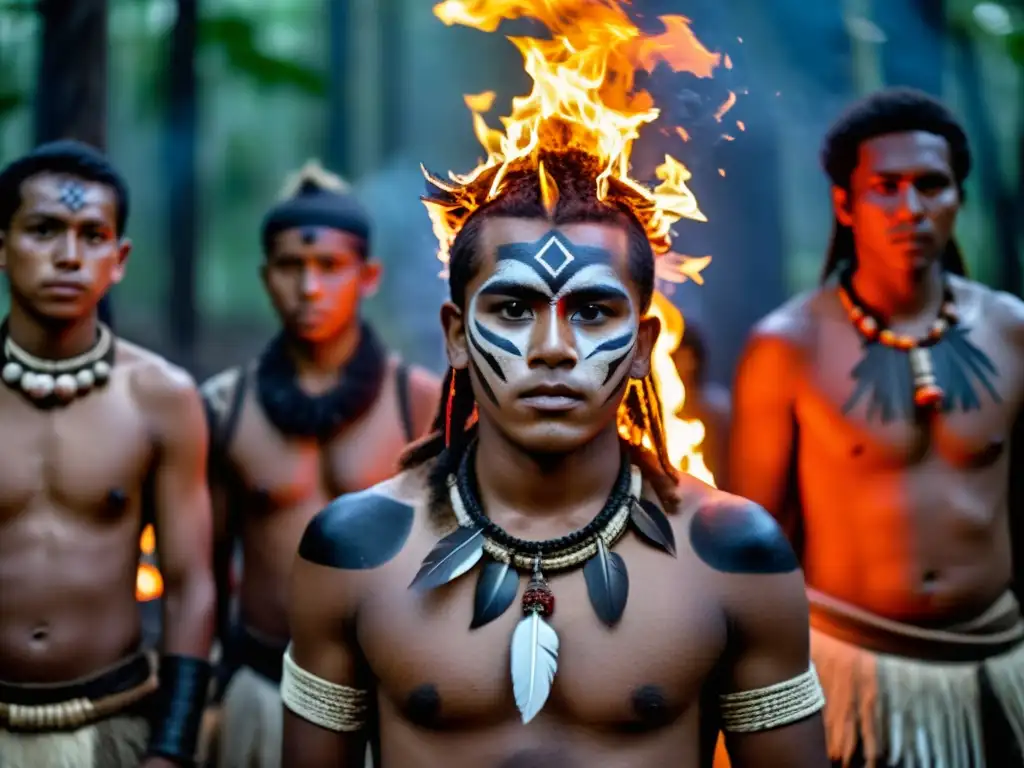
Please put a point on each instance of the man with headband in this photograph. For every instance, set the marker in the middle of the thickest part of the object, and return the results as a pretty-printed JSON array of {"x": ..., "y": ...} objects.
[
  {"x": 323, "y": 411},
  {"x": 100, "y": 436},
  {"x": 873, "y": 416}
]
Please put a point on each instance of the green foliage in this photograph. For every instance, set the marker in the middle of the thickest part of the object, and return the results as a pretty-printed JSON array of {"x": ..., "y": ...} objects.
[{"x": 234, "y": 36}]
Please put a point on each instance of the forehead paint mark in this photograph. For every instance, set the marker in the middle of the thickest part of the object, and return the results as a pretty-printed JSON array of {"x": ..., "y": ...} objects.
[
  {"x": 613, "y": 344},
  {"x": 487, "y": 356},
  {"x": 499, "y": 341},
  {"x": 308, "y": 236},
  {"x": 554, "y": 257},
  {"x": 72, "y": 196}
]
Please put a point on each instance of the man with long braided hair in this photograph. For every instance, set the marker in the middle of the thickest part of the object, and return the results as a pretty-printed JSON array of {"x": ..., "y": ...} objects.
[{"x": 540, "y": 534}]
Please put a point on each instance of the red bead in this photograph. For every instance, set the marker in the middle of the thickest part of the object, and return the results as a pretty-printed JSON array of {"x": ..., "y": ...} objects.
[
  {"x": 928, "y": 396},
  {"x": 538, "y": 600}
]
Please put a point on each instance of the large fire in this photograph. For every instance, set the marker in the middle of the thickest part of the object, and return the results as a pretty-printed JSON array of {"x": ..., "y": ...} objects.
[{"x": 584, "y": 98}]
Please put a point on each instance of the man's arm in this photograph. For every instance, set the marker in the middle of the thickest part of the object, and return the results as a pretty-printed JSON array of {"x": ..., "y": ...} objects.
[
  {"x": 320, "y": 612},
  {"x": 762, "y": 439},
  {"x": 183, "y": 537},
  {"x": 770, "y": 700}
]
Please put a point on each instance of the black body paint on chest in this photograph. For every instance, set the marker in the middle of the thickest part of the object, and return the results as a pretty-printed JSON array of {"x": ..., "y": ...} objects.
[
  {"x": 741, "y": 538},
  {"x": 357, "y": 531},
  {"x": 72, "y": 196},
  {"x": 554, "y": 257}
]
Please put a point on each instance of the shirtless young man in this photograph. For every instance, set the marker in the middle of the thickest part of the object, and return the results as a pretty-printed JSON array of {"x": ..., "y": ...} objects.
[
  {"x": 888, "y": 458},
  {"x": 99, "y": 436},
  {"x": 401, "y": 624},
  {"x": 324, "y": 411}
]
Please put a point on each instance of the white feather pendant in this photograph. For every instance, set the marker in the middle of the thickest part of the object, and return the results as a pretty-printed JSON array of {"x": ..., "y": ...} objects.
[{"x": 534, "y": 663}]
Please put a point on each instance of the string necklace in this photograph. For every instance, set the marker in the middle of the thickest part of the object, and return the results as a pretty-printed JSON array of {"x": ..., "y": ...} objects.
[
  {"x": 535, "y": 644},
  {"x": 906, "y": 377}
]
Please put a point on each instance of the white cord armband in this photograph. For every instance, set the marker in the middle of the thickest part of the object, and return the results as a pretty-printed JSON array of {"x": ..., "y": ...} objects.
[
  {"x": 321, "y": 702},
  {"x": 773, "y": 706}
]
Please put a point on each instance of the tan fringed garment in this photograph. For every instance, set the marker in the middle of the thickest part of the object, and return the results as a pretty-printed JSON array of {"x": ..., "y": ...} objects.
[{"x": 911, "y": 696}]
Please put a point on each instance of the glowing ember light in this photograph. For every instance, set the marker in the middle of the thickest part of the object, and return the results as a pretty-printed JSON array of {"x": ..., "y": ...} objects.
[
  {"x": 584, "y": 100},
  {"x": 149, "y": 584}
]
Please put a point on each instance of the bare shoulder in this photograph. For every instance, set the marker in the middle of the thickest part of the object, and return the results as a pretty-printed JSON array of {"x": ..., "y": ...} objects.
[
  {"x": 732, "y": 535},
  {"x": 998, "y": 307},
  {"x": 365, "y": 530},
  {"x": 161, "y": 387},
  {"x": 424, "y": 384},
  {"x": 784, "y": 335}
]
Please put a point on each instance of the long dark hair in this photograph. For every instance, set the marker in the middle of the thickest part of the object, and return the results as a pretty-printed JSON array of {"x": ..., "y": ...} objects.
[{"x": 454, "y": 425}]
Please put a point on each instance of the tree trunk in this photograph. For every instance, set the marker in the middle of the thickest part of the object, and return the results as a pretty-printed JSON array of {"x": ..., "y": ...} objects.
[
  {"x": 71, "y": 87},
  {"x": 180, "y": 142},
  {"x": 339, "y": 19}
]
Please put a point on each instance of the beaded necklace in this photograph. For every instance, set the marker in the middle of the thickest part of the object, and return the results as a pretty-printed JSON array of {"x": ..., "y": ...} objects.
[
  {"x": 534, "y": 649},
  {"x": 911, "y": 377}
]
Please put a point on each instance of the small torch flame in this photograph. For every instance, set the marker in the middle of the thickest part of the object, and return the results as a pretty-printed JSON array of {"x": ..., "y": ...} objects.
[
  {"x": 149, "y": 584},
  {"x": 584, "y": 99}
]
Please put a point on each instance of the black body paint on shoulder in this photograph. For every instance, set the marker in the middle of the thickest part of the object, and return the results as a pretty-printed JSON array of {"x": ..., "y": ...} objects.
[
  {"x": 423, "y": 705},
  {"x": 72, "y": 196},
  {"x": 357, "y": 531},
  {"x": 554, "y": 257},
  {"x": 741, "y": 537}
]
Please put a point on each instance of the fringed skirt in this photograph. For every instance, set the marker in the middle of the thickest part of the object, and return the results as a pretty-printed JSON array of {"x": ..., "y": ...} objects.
[
  {"x": 900, "y": 695},
  {"x": 97, "y": 722}
]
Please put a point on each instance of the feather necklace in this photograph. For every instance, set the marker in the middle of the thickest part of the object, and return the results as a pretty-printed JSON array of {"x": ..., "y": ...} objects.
[
  {"x": 535, "y": 644},
  {"x": 902, "y": 377}
]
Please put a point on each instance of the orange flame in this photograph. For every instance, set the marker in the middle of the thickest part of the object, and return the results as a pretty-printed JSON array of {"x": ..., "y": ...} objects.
[
  {"x": 149, "y": 584},
  {"x": 583, "y": 99}
]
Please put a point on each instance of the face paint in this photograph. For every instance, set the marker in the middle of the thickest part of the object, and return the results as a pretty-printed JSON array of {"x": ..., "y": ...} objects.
[
  {"x": 72, "y": 196},
  {"x": 308, "y": 236},
  {"x": 550, "y": 292}
]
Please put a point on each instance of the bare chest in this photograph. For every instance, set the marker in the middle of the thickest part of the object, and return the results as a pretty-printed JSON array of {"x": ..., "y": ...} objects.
[
  {"x": 279, "y": 471},
  {"x": 858, "y": 403},
  {"x": 644, "y": 673},
  {"x": 90, "y": 456}
]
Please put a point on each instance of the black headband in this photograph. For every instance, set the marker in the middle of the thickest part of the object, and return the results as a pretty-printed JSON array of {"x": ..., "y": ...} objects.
[{"x": 321, "y": 208}]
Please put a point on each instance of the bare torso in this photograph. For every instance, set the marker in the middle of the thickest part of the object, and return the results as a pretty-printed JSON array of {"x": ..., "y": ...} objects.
[
  {"x": 624, "y": 697},
  {"x": 72, "y": 487},
  {"x": 906, "y": 520},
  {"x": 280, "y": 483}
]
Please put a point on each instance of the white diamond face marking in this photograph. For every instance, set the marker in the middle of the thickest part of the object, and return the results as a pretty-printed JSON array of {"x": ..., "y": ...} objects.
[{"x": 559, "y": 260}]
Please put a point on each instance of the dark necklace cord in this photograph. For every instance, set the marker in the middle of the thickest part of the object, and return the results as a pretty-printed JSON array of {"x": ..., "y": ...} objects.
[
  {"x": 846, "y": 281},
  {"x": 468, "y": 489}
]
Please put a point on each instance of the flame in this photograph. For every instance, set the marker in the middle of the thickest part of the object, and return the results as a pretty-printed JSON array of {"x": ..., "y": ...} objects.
[
  {"x": 149, "y": 584},
  {"x": 584, "y": 100}
]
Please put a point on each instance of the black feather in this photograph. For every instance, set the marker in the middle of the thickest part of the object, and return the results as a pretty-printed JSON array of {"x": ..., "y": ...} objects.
[
  {"x": 496, "y": 589},
  {"x": 607, "y": 584},
  {"x": 650, "y": 522},
  {"x": 455, "y": 554}
]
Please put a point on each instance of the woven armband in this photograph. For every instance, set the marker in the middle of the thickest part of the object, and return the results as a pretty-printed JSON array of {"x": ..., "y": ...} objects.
[
  {"x": 321, "y": 702},
  {"x": 773, "y": 706}
]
